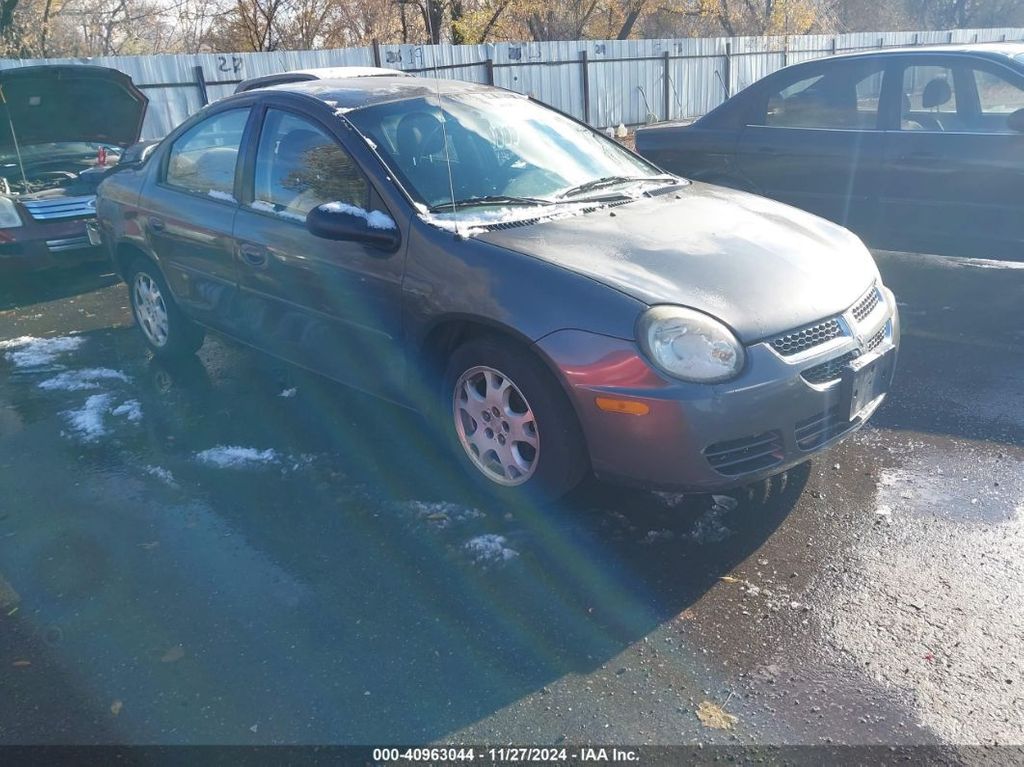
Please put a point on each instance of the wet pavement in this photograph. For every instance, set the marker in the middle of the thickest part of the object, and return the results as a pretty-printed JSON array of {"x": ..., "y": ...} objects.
[{"x": 233, "y": 551}]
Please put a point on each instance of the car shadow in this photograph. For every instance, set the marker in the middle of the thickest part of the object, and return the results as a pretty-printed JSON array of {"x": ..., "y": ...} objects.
[
  {"x": 328, "y": 540},
  {"x": 21, "y": 290},
  {"x": 423, "y": 583}
]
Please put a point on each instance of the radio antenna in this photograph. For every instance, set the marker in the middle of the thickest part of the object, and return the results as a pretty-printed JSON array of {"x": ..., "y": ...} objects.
[{"x": 444, "y": 123}]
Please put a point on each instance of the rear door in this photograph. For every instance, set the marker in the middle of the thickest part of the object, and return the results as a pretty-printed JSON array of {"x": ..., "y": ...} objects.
[
  {"x": 331, "y": 306},
  {"x": 813, "y": 139},
  {"x": 955, "y": 169},
  {"x": 187, "y": 211}
]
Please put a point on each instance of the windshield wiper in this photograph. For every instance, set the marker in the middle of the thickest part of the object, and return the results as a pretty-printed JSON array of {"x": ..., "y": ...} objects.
[
  {"x": 604, "y": 181},
  {"x": 489, "y": 199}
]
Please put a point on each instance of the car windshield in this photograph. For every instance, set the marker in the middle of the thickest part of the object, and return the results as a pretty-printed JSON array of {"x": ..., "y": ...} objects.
[{"x": 503, "y": 148}]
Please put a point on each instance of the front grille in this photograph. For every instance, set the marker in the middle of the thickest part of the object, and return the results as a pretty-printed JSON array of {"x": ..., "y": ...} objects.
[
  {"x": 816, "y": 430},
  {"x": 876, "y": 340},
  {"x": 740, "y": 456},
  {"x": 807, "y": 338},
  {"x": 828, "y": 371},
  {"x": 61, "y": 207},
  {"x": 68, "y": 243},
  {"x": 866, "y": 305}
]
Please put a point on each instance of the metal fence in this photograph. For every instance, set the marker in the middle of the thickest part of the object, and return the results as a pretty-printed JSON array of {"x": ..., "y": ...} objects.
[{"x": 604, "y": 82}]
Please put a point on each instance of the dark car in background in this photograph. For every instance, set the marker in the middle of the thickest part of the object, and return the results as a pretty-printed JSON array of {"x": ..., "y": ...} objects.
[
  {"x": 62, "y": 129},
  {"x": 916, "y": 148},
  {"x": 556, "y": 302}
]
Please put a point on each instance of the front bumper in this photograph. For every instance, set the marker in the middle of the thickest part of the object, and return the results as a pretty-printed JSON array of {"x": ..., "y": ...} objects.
[
  {"x": 705, "y": 437},
  {"x": 47, "y": 245}
]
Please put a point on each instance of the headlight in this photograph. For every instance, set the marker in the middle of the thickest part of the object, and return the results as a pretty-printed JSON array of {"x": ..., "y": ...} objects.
[
  {"x": 9, "y": 217},
  {"x": 689, "y": 345}
]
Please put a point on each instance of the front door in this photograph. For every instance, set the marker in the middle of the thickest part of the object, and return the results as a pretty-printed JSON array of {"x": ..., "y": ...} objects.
[
  {"x": 955, "y": 168},
  {"x": 814, "y": 141},
  {"x": 334, "y": 307}
]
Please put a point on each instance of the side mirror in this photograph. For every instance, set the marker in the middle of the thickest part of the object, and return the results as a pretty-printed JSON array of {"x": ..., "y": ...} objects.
[
  {"x": 1015, "y": 121},
  {"x": 340, "y": 221}
]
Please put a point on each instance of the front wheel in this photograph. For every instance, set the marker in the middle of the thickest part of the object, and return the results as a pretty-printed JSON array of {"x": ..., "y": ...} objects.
[
  {"x": 166, "y": 331},
  {"x": 509, "y": 422}
]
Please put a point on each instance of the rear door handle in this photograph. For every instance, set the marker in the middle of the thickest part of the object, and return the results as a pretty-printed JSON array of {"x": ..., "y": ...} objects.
[
  {"x": 920, "y": 156},
  {"x": 254, "y": 255},
  {"x": 767, "y": 150},
  {"x": 157, "y": 224}
]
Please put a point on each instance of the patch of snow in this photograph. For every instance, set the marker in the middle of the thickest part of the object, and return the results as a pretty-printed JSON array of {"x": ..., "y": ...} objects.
[
  {"x": 469, "y": 224},
  {"x": 375, "y": 219},
  {"x": 31, "y": 352},
  {"x": 130, "y": 409},
  {"x": 219, "y": 195},
  {"x": 289, "y": 393},
  {"x": 160, "y": 473},
  {"x": 87, "y": 422},
  {"x": 725, "y": 502},
  {"x": 80, "y": 380},
  {"x": 269, "y": 207},
  {"x": 709, "y": 527},
  {"x": 235, "y": 457},
  {"x": 658, "y": 536},
  {"x": 441, "y": 513},
  {"x": 490, "y": 548}
]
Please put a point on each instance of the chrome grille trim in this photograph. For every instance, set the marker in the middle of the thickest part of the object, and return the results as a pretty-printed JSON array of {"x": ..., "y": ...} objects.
[
  {"x": 807, "y": 338},
  {"x": 68, "y": 243},
  {"x": 828, "y": 371},
  {"x": 61, "y": 207},
  {"x": 740, "y": 456},
  {"x": 863, "y": 308}
]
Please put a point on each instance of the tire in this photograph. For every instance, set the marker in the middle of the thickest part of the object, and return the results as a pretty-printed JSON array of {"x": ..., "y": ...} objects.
[
  {"x": 549, "y": 460},
  {"x": 166, "y": 331}
]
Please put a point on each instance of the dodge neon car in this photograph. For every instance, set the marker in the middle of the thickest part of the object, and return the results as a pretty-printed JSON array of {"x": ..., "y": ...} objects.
[{"x": 560, "y": 305}]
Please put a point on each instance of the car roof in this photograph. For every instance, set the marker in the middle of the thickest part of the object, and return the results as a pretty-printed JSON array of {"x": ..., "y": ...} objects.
[
  {"x": 350, "y": 93},
  {"x": 316, "y": 73},
  {"x": 992, "y": 50}
]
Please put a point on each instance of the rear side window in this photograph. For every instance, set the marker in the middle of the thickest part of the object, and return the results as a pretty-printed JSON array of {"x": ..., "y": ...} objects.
[
  {"x": 840, "y": 96},
  {"x": 203, "y": 159},
  {"x": 299, "y": 166}
]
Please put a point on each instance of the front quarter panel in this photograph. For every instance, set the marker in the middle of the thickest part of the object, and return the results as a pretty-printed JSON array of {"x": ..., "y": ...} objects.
[{"x": 450, "y": 277}]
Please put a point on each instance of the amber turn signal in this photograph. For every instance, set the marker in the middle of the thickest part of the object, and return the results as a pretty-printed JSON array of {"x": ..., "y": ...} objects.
[{"x": 628, "y": 406}]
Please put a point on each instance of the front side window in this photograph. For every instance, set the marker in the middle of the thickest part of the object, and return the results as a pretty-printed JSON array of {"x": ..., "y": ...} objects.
[
  {"x": 300, "y": 166},
  {"x": 498, "y": 145},
  {"x": 837, "y": 96},
  {"x": 203, "y": 159},
  {"x": 997, "y": 95}
]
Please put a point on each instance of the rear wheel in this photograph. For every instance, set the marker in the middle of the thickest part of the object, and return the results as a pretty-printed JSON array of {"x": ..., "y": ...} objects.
[
  {"x": 166, "y": 331},
  {"x": 510, "y": 424}
]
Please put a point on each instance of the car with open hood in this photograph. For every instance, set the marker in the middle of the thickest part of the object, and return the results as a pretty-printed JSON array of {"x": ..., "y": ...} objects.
[
  {"x": 557, "y": 303},
  {"x": 62, "y": 129}
]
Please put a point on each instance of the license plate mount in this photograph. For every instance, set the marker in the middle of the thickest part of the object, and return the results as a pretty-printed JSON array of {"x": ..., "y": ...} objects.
[{"x": 864, "y": 379}]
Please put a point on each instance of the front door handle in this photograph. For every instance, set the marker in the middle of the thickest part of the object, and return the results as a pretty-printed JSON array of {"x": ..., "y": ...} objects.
[
  {"x": 157, "y": 224},
  {"x": 254, "y": 255}
]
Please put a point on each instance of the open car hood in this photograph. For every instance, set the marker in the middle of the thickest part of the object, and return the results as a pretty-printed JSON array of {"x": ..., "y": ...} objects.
[{"x": 69, "y": 102}]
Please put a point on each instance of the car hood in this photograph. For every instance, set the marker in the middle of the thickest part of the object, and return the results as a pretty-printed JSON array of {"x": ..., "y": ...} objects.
[
  {"x": 65, "y": 103},
  {"x": 760, "y": 266}
]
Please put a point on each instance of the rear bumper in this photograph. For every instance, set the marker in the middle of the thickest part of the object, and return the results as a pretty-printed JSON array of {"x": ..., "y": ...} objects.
[{"x": 708, "y": 437}]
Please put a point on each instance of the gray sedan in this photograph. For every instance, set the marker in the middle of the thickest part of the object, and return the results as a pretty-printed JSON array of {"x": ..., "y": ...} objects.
[{"x": 560, "y": 305}]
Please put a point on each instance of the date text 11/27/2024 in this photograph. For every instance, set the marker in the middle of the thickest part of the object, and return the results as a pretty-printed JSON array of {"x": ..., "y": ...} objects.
[{"x": 506, "y": 755}]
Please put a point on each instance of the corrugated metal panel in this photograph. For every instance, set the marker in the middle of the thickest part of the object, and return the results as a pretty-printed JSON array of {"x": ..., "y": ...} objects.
[{"x": 626, "y": 77}]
